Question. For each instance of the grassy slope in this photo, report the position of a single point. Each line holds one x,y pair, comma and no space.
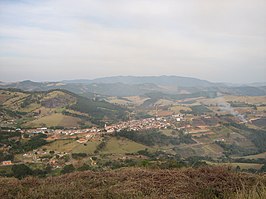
56,119
177,108
61,145
260,155
206,182
241,165
45,106
137,100
122,146
72,146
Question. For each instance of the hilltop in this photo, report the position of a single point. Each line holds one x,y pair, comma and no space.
54,108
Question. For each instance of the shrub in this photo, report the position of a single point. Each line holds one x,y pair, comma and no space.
21,171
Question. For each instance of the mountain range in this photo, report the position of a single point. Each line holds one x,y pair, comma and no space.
139,85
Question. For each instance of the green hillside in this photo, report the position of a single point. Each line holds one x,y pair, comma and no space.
54,108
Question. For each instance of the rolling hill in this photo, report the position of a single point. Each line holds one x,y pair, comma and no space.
54,108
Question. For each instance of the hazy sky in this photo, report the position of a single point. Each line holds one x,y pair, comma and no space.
216,40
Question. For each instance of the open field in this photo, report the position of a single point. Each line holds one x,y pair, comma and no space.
114,146
61,145
177,108
122,146
227,98
89,148
213,149
137,100
56,119
169,132
72,146
116,100
160,113
260,155
261,108
54,94
30,107
208,149
246,99
164,102
14,101
5,95
241,165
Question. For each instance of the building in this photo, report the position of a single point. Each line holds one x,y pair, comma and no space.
8,162
82,140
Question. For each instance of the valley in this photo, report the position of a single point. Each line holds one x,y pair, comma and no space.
132,99
50,131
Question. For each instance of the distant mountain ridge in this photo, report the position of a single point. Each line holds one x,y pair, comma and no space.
157,80
139,85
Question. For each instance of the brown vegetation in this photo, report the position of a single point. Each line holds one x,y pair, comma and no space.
204,182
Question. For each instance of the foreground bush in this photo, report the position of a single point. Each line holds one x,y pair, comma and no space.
203,182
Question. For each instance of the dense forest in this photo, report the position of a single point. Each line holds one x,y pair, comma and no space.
155,137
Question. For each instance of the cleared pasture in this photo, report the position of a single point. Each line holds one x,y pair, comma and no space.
122,146
56,119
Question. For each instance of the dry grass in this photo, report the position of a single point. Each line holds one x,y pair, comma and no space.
62,145
228,98
160,113
176,109
116,100
206,182
261,108
240,164
246,99
164,102
137,100
260,155
56,119
122,146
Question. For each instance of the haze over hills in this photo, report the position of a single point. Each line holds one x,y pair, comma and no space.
158,80
132,99
134,85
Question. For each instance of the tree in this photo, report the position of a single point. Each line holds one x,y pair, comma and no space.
21,171
48,168
39,172
238,168
85,167
68,169
263,168
79,155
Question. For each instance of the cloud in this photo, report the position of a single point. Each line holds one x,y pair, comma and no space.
56,39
